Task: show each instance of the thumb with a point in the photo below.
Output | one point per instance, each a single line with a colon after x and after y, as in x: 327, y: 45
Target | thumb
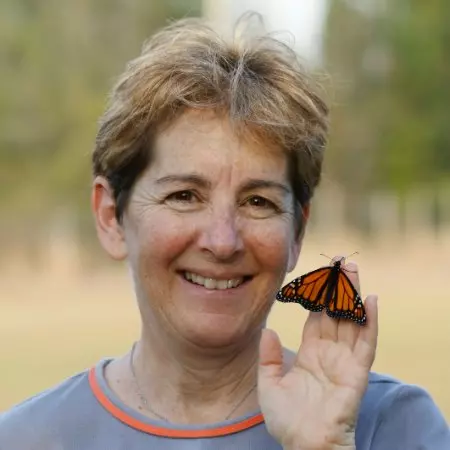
x: 270, y: 368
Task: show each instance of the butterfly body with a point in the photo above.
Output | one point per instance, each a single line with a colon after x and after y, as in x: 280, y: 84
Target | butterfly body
x: 328, y: 287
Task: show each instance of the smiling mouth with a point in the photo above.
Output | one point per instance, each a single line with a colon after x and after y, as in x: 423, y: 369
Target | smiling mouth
x: 212, y: 283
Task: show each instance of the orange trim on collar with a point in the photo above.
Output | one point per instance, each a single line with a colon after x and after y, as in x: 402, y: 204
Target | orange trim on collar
x: 162, y: 431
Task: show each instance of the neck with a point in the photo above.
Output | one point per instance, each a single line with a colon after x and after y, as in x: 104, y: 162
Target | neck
x: 188, y: 384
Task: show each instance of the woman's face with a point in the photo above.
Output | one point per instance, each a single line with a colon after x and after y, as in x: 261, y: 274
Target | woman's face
x: 209, y: 232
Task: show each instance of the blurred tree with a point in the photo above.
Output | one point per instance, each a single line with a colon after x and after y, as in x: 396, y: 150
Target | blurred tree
x: 390, y: 65
x: 58, y: 61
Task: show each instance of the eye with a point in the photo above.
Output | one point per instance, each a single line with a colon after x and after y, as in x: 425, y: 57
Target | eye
x: 182, y: 196
x: 260, y: 202
x: 259, y: 207
x: 185, y: 200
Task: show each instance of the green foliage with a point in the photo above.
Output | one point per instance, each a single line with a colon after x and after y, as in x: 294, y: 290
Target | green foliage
x: 391, y: 65
x: 390, y: 68
x: 59, y: 59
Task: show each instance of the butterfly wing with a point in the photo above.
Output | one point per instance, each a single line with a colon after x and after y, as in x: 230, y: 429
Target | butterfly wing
x: 309, y: 290
x: 345, y: 302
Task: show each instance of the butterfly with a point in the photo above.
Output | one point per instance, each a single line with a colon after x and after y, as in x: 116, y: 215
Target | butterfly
x: 328, y: 287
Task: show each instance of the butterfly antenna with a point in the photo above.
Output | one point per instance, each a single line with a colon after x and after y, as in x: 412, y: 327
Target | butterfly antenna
x: 326, y: 256
x: 350, y: 271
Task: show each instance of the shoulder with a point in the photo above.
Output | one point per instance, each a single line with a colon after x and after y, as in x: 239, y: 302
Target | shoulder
x: 44, y: 414
x: 384, y: 391
x: 399, y: 415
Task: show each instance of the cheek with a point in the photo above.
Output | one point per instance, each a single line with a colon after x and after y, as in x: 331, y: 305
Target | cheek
x: 158, y: 242
x: 272, y: 244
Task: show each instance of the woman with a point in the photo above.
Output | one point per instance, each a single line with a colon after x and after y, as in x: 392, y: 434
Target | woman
x: 205, y: 164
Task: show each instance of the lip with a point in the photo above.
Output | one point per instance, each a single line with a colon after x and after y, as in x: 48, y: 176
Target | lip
x: 201, y: 290
x: 217, y: 276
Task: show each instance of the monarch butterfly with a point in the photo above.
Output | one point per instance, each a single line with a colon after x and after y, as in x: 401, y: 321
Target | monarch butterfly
x: 328, y: 287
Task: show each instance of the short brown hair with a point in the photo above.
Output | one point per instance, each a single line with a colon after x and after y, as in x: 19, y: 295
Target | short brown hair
x: 257, y: 81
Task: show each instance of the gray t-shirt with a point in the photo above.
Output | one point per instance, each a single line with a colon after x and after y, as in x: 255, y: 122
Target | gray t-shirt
x: 82, y: 413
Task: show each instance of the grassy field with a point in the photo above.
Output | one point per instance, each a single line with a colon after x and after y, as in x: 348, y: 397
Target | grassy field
x: 54, y: 323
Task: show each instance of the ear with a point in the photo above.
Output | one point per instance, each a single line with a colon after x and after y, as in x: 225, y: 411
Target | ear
x: 109, y: 230
x: 296, y: 245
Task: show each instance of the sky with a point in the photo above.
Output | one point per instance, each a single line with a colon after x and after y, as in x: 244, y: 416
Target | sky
x: 303, y: 18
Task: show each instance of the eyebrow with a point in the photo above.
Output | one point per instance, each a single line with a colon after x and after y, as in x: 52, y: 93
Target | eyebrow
x: 201, y: 181
x: 266, y: 184
x: 187, y: 178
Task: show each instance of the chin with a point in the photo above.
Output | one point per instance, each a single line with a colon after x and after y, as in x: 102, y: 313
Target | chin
x: 213, y: 332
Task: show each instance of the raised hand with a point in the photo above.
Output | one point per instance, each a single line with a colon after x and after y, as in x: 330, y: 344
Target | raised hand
x: 313, y: 405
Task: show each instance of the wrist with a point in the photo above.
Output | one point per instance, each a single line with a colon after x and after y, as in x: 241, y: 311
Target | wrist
x: 346, y: 442
x: 323, y: 447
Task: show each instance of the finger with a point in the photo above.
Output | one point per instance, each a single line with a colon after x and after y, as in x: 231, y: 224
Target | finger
x: 348, y: 331
x: 328, y: 327
x: 311, y: 329
x: 366, y: 345
x: 270, y: 367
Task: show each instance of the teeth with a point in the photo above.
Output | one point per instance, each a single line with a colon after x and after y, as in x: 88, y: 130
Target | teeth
x: 211, y: 283
x: 222, y: 284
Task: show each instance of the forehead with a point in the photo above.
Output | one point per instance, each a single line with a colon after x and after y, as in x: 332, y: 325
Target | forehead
x: 203, y: 139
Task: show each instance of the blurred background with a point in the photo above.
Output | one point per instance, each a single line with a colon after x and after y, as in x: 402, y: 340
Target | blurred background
x: 385, y: 191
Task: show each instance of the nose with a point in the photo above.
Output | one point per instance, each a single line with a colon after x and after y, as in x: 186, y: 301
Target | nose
x: 221, y: 234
